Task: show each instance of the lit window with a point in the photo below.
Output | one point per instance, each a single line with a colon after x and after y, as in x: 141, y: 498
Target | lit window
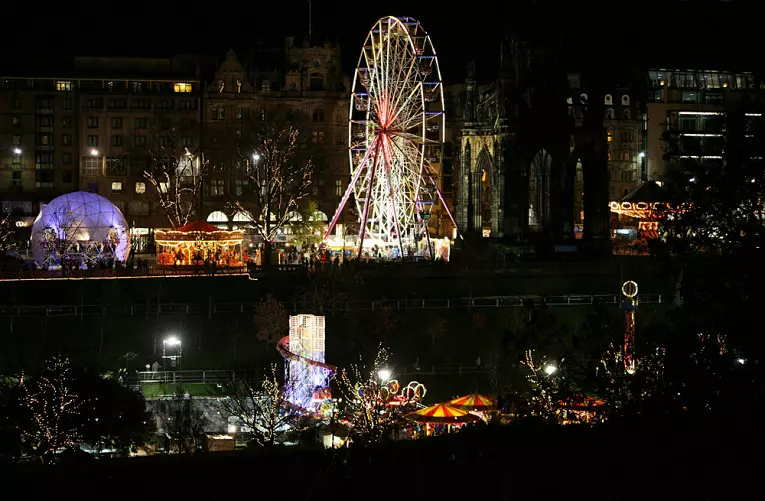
x: 164, y: 186
x: 339, y: 187
x: 63, y: 85
x: 182, y: 87
x: 140, y: 187
x: 116, y: 187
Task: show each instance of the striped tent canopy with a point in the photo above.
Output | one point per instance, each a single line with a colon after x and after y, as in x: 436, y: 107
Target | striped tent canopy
x: 441, y: 413
x: 473, y: 402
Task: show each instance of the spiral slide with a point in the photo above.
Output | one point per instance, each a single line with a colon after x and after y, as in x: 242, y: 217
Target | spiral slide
x: 293, y: 389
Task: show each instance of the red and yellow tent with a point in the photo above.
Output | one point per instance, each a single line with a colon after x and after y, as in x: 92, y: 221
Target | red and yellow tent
x: 441, y: 413
x: 473, y: 402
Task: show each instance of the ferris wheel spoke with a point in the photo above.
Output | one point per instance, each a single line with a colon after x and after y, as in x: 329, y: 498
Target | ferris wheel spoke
x: 415, y: 92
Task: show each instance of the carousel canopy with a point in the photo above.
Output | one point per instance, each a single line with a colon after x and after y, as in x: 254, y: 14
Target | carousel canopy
x: 441, y: 413
x: 199, y: 230
x: 472, y: 402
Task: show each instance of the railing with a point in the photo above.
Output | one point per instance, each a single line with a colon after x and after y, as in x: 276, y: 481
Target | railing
x: 176, y: 377
x: 150, y: 272
x: 223, y: 376
x: 250, y: 307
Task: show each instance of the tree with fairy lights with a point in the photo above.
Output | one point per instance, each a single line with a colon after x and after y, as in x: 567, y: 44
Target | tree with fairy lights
x: 6, y: 234
x: 371, y: 400
x: 275, y: 165
x: 543, y: 379
x: 53, y: 408
x: 261, y: 408
x: 175, y: 167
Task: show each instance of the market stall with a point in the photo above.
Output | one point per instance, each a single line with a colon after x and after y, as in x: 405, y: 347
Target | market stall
x: 199, y: 243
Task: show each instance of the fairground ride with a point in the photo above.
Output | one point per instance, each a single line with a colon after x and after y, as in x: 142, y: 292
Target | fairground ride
x: 395, y: 135
x: 307, y: 376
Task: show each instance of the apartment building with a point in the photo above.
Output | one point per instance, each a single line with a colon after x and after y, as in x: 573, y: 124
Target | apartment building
x: 89, y: 129
x: 92, y: 124
x: 690, y: 114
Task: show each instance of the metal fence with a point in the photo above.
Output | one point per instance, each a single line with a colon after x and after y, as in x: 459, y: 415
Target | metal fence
x: 223, y: 376
x: 176, y: 377
x: 227, y: 308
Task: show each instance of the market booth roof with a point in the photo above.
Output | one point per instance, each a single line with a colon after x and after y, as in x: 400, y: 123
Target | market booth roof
x: 472, y: 402
x: 441, y: 413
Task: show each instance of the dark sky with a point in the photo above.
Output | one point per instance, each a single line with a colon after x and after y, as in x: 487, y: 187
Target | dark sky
x: 648, y: 32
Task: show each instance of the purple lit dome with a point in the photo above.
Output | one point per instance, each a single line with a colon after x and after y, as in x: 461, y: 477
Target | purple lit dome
x: 79, y: 228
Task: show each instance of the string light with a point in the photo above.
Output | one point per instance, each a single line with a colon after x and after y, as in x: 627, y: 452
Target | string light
x: 52, y: 404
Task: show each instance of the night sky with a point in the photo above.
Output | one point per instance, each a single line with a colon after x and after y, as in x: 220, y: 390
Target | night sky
x: 640, y: 33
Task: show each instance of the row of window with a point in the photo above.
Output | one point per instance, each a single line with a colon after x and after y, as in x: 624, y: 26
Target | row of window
x: 620, y: 155
x: 318, y: 115
x: 178, y: 87
x: 47, y: 103
x: 626, y: 136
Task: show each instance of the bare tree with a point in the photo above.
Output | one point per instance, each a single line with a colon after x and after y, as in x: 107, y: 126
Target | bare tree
x: 367, y: 399
x: 53, y: 408
x: 183, y: 423
x: 6, y: 232
x: 279, y: 170
x: 60, y: 240
x: 271, y: 319
x: 260, y: 405
x: 176, y: 167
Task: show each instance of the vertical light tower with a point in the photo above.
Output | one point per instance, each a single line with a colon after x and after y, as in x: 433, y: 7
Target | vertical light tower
x: 630, y: 306
x: 306, y: 370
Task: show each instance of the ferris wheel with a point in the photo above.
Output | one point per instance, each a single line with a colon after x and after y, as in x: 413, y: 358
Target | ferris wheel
x: 395, y: 134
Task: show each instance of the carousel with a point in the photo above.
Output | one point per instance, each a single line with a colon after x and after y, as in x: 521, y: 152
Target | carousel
x: 635, y: 218
x: 199, y: 243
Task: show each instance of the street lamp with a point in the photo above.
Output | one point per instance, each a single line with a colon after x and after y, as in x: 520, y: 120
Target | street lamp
x: 550, y: 369
x: 17, y: 151
x: 256, y: 156
x: 172, y: 342
x: 384, y: 375
x: 94, y: 152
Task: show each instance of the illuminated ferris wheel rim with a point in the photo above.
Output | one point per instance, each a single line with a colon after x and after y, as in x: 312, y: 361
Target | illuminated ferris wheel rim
x: 397, y: 87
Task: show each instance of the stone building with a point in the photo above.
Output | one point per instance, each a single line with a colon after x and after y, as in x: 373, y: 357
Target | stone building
x: 624, y: 123
x: 307, y: 81
x: 525, y: 152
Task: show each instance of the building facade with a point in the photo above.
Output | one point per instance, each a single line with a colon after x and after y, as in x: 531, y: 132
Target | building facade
x: 89, y: 129
x: 691, y: 115
x: 97, y: 123
x: 308, y: 85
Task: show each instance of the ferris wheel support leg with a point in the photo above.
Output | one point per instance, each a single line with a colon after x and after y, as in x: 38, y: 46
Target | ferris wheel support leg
x: 347, y: 195
x: 427, y: 239
x: 449, y: 213
x: 395, y: 216
x: 370, y: 187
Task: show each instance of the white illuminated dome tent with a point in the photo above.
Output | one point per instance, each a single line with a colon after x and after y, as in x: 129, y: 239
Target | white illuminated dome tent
x: 81, y: 228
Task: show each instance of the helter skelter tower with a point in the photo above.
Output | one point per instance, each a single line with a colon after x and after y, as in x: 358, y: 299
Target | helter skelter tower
x: 395, y: 133
x: 630, y: 306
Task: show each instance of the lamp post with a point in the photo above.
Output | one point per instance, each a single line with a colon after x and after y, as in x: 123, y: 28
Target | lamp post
x: 384, y: 375
x: 172, y: 342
